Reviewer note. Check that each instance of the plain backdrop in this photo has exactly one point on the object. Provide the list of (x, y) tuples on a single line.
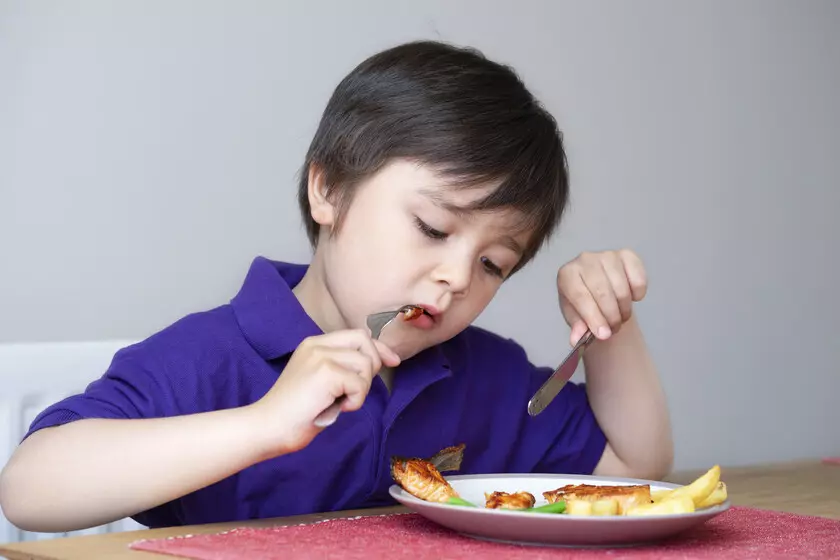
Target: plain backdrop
[(149, 151)]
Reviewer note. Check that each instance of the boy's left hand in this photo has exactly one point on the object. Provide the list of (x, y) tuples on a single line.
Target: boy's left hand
[(597, 291)]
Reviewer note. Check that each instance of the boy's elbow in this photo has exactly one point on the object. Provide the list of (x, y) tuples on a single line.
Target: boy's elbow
[(663, 466), (12, 503), (653, 465), (17, 505), (12, 506), (659, 464)]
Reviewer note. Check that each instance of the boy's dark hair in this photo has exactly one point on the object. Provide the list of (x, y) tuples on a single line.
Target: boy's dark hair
[(454, 110)]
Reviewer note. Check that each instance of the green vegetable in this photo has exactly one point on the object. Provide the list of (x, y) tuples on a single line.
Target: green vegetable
[(556, 507), (455, 501)]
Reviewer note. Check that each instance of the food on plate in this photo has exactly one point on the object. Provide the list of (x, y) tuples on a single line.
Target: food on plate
[(704, 492), (677, 504), (556, 507), (505, 500), (457, 501), (421, 477), (718, 496), (611, 500), (698, 490)]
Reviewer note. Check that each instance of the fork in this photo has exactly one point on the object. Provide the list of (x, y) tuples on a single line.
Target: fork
[(379, 321), (375, 322)]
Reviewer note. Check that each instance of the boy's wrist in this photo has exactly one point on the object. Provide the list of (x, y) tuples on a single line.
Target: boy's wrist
[(267, 442)]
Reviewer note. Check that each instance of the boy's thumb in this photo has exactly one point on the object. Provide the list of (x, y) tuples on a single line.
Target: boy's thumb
[(578, 330), (389, 357)]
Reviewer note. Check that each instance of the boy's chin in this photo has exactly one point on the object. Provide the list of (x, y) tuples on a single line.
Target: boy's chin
[(405, 349)]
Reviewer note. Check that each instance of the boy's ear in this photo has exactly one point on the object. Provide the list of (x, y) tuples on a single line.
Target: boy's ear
[(320, 207)]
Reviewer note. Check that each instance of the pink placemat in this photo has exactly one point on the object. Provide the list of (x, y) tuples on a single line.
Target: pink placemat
[(737, 533)]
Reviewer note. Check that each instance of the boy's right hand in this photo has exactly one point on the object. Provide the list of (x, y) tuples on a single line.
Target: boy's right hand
[(321, 370)]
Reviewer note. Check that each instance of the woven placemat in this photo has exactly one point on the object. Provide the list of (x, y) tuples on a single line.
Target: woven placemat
[(739, 533)]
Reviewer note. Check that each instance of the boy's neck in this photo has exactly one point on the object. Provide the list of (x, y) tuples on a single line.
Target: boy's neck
[(315, 298)]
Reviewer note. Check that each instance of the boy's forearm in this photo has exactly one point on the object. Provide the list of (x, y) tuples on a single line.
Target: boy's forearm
[(95, 471), (629, 403)]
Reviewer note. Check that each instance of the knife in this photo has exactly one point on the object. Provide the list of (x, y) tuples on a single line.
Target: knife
[(560, 377)]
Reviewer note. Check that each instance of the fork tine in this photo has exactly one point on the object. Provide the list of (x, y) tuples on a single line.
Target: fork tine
[(378, 321)]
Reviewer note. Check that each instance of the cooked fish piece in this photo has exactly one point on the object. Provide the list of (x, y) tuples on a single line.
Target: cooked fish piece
[(626, 496), (504, 500), (421, 477)]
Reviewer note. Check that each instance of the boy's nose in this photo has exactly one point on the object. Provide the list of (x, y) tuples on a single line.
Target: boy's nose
[(456, 275)]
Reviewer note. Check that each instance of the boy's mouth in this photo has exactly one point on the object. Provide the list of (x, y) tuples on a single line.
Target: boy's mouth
[(422, 316)]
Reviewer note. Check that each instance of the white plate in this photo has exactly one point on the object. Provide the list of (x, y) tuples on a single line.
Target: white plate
[(549, 528)]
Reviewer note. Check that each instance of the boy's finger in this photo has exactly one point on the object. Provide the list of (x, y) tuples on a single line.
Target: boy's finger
[(355, 339), (587, 308), (601, 291), (614, 269), (356, 388), (578, 330), (351, 360), (636, 275), (389, 357)]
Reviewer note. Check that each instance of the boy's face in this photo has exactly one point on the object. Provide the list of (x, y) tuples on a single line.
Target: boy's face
[(403, 241)]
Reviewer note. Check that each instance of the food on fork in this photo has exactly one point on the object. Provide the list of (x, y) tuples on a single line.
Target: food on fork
[(413, 312), (505, 500), (421, 477)]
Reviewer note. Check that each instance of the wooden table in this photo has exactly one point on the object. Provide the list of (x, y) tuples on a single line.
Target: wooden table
[(810, 488)]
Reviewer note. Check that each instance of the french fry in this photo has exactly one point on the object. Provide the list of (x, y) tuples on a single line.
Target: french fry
[(661, 494), (698, 490), (718, 496), (607, 506), (578, 507), (675, 504)]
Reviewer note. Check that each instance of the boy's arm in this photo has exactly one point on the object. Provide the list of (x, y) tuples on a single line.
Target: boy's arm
[(95, 471), (627, 398), (597, 291)]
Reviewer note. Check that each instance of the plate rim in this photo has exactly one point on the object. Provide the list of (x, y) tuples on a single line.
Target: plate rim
[(402, 496)]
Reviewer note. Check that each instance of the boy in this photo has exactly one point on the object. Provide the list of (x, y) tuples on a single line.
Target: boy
[(433, 177)]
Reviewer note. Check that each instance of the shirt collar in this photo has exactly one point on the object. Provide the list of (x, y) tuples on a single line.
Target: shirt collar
[(270, 316)]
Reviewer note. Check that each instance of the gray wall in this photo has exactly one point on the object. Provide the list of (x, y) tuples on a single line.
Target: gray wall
[(148, 150)]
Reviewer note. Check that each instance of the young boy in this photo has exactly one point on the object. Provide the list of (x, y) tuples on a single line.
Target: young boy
[(433, 177)]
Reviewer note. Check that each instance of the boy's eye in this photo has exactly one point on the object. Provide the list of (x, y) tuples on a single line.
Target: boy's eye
[(428, 230), (491, 267)]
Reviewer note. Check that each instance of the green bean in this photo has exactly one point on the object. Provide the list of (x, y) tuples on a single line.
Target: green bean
[(455, 501), (556, 507)]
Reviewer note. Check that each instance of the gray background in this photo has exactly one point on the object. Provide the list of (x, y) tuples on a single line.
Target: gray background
[(148, 151)]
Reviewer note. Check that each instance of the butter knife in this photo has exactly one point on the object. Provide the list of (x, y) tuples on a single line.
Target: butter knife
[(545, 394)]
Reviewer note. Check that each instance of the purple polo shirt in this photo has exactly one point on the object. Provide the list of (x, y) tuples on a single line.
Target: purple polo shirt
[(473, 389)]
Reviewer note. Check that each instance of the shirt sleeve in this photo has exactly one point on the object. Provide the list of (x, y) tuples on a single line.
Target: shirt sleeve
[(131, 388)]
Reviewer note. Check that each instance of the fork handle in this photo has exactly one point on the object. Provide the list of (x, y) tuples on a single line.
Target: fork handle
[(330, 414), (375, 323)]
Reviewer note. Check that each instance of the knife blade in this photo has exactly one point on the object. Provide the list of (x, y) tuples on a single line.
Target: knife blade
[(546, 393)]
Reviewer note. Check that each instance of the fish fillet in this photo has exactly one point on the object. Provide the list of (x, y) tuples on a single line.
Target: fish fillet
[(504, 500), (626, 496), (421, 477)]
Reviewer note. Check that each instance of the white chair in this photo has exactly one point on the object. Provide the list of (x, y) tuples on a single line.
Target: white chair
[(33, 376)]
